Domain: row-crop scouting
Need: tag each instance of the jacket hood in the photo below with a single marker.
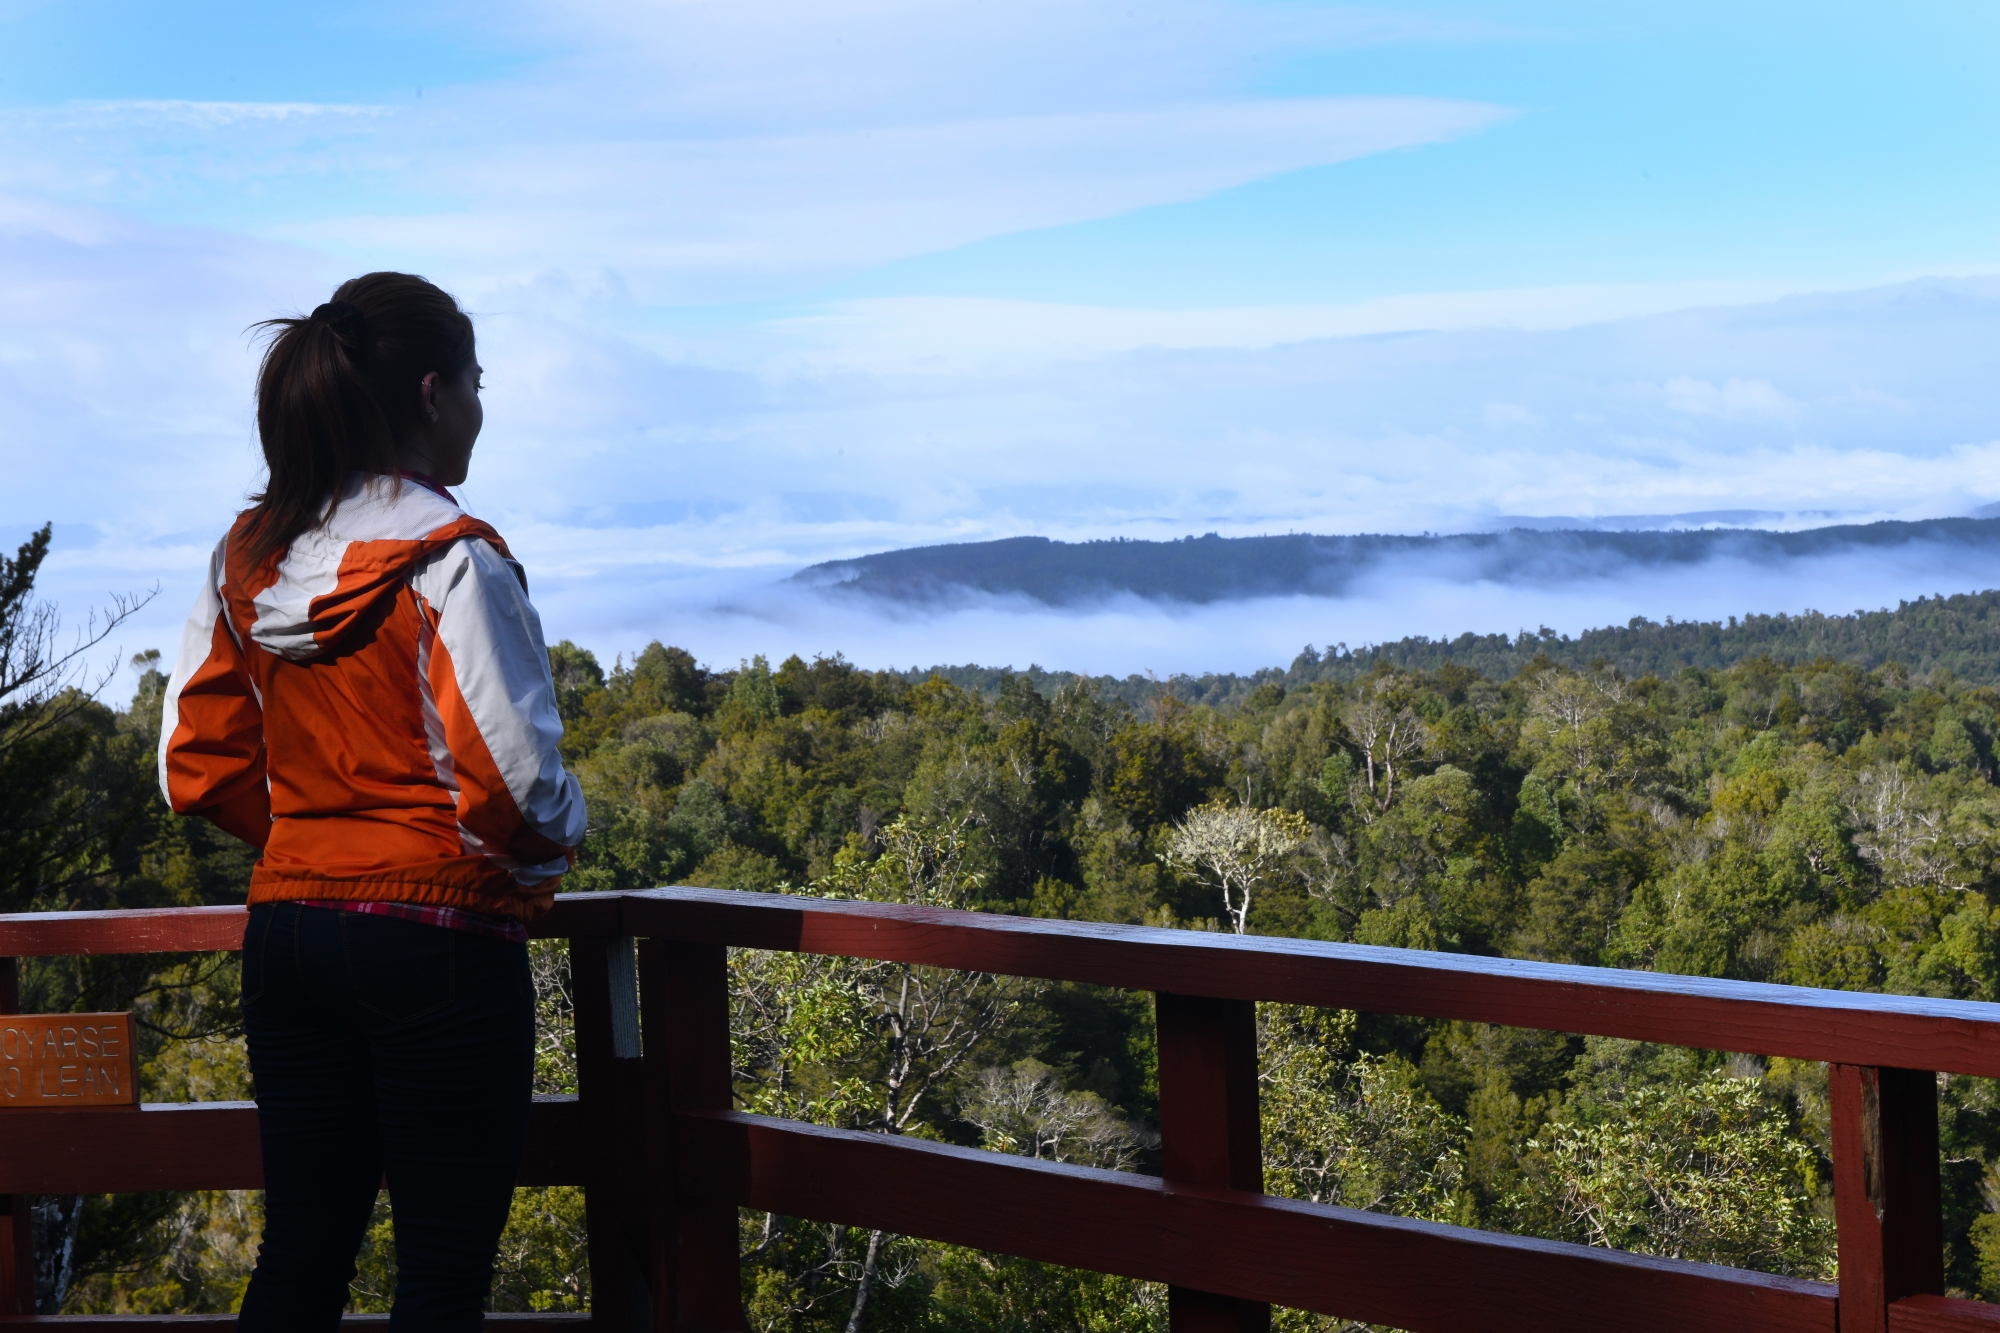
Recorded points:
(304, 602)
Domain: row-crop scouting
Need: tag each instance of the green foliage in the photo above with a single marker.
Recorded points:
(82, 826)
(1709, 1171)
(1352, 1129)
(976, 1292)
(544, 1260)
(1820, 822)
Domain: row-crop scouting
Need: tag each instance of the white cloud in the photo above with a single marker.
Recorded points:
(1348, 434)
(137, 116)
(654, 496)
(770, 66)
(957, 334)
(125, 369)
(1503, 415)
(1735, 400)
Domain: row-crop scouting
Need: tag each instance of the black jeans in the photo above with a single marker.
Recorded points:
(382, 1047)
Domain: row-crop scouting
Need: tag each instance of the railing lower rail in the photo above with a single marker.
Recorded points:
(666, 1163)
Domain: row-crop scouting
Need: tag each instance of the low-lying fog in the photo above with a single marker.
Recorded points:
(672, 499)
(1127, 634)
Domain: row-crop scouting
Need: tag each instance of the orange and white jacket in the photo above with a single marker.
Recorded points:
(374, 710)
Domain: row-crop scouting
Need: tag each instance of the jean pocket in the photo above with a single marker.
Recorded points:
(256, 953)
(399, 969)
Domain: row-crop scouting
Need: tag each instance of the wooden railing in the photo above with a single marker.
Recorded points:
(665, 1162)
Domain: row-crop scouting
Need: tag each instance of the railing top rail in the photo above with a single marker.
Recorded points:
(1898, 1031)
(133, 930)
(209, 929)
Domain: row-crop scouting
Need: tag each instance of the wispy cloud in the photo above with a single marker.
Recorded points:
(726, 152)
(147, 113)
(943, 334)
(1733, 400)
(489, 188)
(770, 66)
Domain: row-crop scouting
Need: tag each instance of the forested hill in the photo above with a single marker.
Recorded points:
(1212, 568)
(1960, 634)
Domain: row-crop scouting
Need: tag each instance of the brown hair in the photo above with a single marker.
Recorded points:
(337, 387)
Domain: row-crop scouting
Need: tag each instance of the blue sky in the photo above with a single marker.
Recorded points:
(769, 282)
(1781, 143)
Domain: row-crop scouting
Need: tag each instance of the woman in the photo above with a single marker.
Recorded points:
(363, 693)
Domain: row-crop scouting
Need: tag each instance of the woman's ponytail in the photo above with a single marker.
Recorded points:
(336, 389)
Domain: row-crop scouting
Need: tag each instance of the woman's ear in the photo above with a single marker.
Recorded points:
(429, 388)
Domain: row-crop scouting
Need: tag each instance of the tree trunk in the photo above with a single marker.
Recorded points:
(57, 1219)
(867, 1284)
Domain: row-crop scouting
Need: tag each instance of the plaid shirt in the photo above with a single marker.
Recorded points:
(451, 918)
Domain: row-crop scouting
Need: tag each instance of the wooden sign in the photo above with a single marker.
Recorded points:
(66, 1060)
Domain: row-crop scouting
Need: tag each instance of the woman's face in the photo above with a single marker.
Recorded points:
(443, 447)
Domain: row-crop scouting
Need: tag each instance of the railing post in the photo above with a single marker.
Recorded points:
(684, 996)
(17, 1221)
(1885, 1190)
(610, 1081)
(1209, 1129)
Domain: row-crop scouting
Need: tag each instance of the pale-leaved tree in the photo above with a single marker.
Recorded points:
(1236, 849)
(1025, 1110)
(1391, 736)
(1571, 716)
(1903, 831)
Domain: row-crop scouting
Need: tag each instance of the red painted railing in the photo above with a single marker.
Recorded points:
(666, 1163)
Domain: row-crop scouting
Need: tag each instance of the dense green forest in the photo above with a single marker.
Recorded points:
(1818, 824)
(1816, 821)
(1958, 633)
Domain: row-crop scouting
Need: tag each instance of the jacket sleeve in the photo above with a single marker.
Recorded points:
(212, 723)
(490, 707)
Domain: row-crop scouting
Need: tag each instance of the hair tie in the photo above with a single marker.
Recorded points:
(347, 322)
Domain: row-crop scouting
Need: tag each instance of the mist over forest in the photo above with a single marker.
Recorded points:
(689, 496)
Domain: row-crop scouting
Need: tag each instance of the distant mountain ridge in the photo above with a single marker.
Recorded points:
(1213, 568)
